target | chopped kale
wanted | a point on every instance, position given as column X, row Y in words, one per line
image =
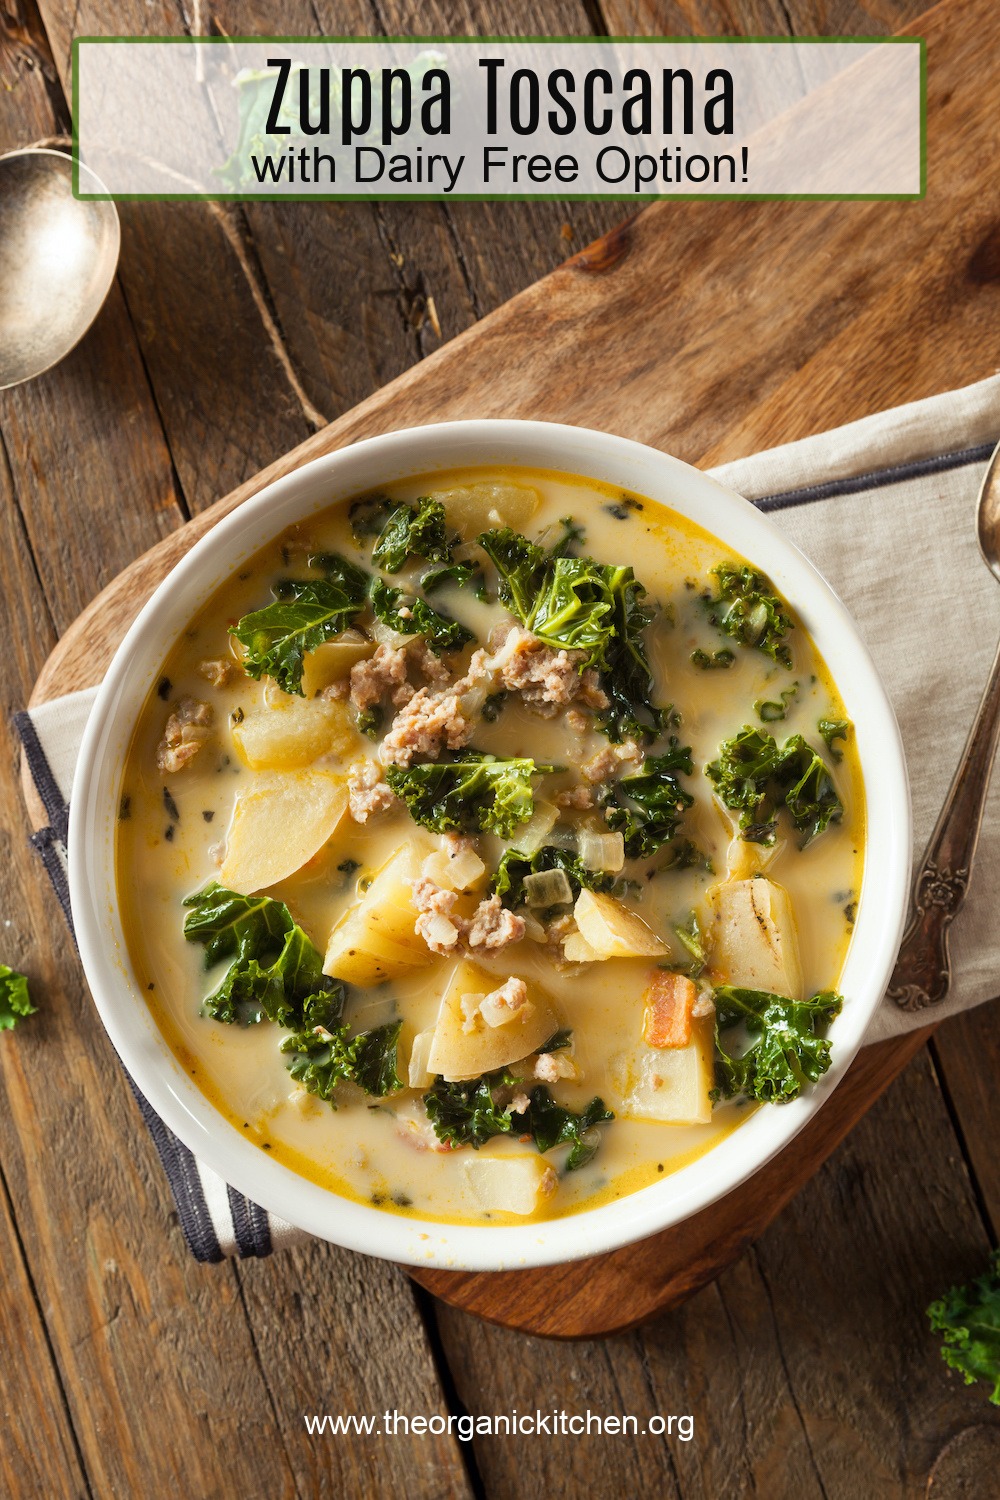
column 558, row 1040
column 508, row 879
column 648, row 806
column 572, row 536
column 577, row 604
column 712, row 662
column 320, row 1058
column 302, row 617
column 417, row 530
column 493, row 707
column 339, row 570
column 471, row 1112
column 275, row 970
column 367, row 517
column 15, row 1001
column 691, row 936
column 474, row 792
column 756, row 777
column 746, row 607
column 786, row 1048
column 832, row 730
column 768, row 710
column 969, row 1318
column 462, row 574
column 440, row 631
column 374, row 1060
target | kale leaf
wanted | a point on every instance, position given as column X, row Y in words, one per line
column 786, row 1046
column 551, row 1124
column 572, row 536
column 834, row 729
column 969, row 1318
column 461, row 574
column 693, row 939
column 465, row 1113
column 440, row 631
column 469, row 1113
column 368, row 516
column 323, row 1056
column 374, row 1060
column 768, row 710
column 15, row 1001
column 474, row 792
column 648, row 806
column 746, row 607
column 276, row 972
column 508, row 878
column 304, row 615
column 320, row 1059
column 337, row 569
column 756, row 777
column 577, row 604
column 418, row 530
column 714, row 661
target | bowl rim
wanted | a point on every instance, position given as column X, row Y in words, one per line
column 216, row 556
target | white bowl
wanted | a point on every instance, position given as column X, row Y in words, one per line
column 365, row 466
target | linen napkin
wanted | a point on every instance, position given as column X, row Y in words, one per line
column 884, row 508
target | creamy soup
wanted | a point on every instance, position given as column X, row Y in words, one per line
column 490, row 848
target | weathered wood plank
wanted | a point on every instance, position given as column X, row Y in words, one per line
column 967, row 1053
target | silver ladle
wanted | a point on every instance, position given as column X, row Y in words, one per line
column 58, row 256
column 922, row 976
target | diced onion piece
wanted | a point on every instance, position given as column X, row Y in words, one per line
column 418, row 1075
column 601, row 851
column 533, row 929
column 547, row 888
column 535, row 832
column 453, row 872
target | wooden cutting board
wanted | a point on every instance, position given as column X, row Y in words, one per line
column 710, row 330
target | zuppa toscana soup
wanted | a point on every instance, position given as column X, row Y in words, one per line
column 490, row 847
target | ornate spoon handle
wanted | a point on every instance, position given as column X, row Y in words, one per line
column 923, row 970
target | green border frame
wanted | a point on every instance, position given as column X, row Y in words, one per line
column 637, row 198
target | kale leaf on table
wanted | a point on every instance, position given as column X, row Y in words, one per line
column 15, row 1001
column 756, row 777
column 746, row 607
column 474, row 792
column 969, row 1318
column 647, row 807
column 306, row 613
column 786, row 1045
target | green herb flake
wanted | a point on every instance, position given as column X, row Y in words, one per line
column 15, row 1000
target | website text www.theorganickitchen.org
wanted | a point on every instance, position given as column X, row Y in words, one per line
column 464, row 1425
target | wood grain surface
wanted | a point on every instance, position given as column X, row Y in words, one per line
column 124, row 1368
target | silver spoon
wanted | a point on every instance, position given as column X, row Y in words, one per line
column 922, row 975
column 58, row 256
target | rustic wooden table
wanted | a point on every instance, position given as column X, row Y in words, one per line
column 125, row 1368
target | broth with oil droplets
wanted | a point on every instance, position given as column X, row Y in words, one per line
column 262, row 798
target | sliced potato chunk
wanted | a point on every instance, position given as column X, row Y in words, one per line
column 476, row 507
column 508, row 1184
column 377, row 939
column 460, row 1053
column 333, row 660
column 672, row 1084
column 576, row 950
column 280, row 822
column 613, row 931
column 293, row 733
column 418, row 1075
column 754, row 941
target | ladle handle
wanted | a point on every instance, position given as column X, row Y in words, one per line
column 922, row 976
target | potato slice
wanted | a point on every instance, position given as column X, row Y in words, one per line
column 377, row 938
column 576, row 950
column 293, row 733
column 476, row 507
column 418, row 1075
column 613, row 931
column 333, row 660
column 672, row 1084
column 508, row 1184
column 457, row 1053
column 280, row 822
column 754, row 941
